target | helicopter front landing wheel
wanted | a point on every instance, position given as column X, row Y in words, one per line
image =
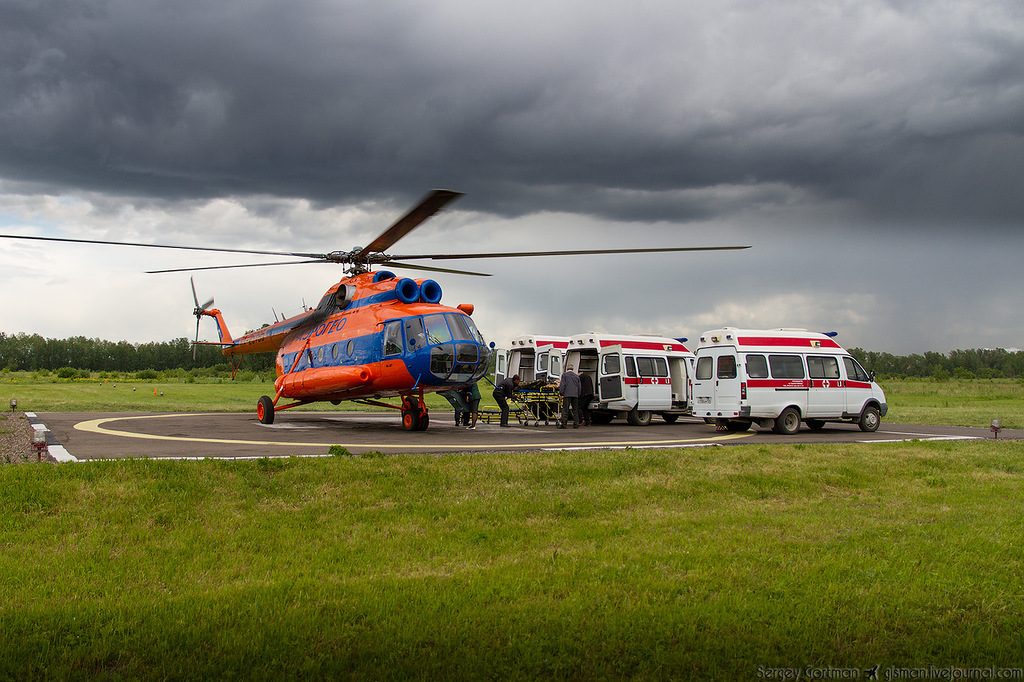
column 265, row 410
column 414, row 414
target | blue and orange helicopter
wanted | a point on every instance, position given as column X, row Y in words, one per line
column 373, row 335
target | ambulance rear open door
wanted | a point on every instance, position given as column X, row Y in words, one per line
column 500, row 366
column 609, row 380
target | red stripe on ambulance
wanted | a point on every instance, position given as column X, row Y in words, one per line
column 782, row 341
column 644, row 345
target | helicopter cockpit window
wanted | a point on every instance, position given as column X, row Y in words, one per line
column 465, row 326
column 461, row 327
column 465, row 361
column 393, row 338
column 414, row 335
column 441, row 361
column 437, row 329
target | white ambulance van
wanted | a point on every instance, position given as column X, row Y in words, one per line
column 637, row 376
column 534, row 357
column 777, row 378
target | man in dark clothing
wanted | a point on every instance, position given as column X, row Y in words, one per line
column 586, row 395
column 569, row 389
column 454, row 397
column 472, row 397
column 502, row 392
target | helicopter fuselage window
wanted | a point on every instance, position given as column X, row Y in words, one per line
column 393, row 338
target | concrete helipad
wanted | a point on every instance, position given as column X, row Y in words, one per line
column 90, row 436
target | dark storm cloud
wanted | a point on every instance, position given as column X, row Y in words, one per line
column 679, row 112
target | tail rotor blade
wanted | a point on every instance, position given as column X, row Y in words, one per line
column 194, row 296
column 206, row 305
column 195, row 344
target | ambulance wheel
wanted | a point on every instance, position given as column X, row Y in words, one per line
column 670, row 418
column 870, row 419
column 637, row 417
column 601, row 418
column 265, row 410
column 788, row 422
column 737, row 426
column 815, row 424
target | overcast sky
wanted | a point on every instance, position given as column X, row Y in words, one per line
column 871, row 153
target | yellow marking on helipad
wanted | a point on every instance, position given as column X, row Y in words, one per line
column 97, row 426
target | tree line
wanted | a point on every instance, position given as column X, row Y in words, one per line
column 977, row 363
column 32, row 352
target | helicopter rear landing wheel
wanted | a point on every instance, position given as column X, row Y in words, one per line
column 265, row 410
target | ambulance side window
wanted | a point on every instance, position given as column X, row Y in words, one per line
column 854, row 371
column 630, row 366
column 704, row 368
column 542, row 362
column 501, row 363
column 726, row 366
column 822, row 367
column 393, row 338
column 757, row 367
column 786, row 366
column 652, row 367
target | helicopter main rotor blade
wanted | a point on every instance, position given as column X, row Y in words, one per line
column 163, row 246
column 413, row 266
column 428, row 206
column 225, row 267
column 581, row 252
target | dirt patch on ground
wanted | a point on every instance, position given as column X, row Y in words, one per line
column 16, row 440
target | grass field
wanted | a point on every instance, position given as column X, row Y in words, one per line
column 955, row 402
column 711, row 563
column 700, row 563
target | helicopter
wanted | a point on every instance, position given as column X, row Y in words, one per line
column 373, row 335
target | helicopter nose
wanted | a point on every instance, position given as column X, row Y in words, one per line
column 456, row 362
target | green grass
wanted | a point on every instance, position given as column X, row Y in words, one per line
column 956, row 402
column 700, row 563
